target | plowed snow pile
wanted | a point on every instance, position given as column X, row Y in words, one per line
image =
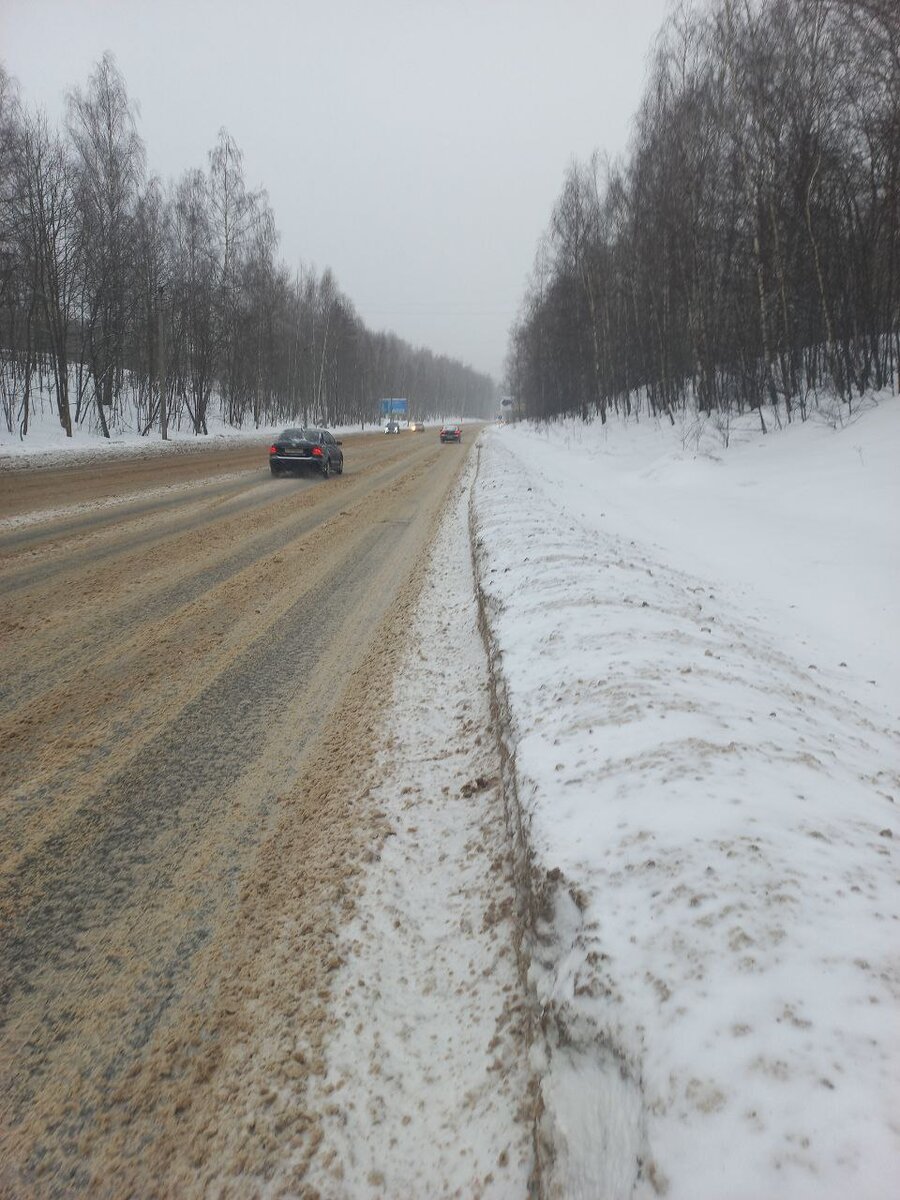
column 699, row 648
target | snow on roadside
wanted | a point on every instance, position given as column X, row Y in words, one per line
column 46, row 444
column 801, row 523
column 710, row 805
column 428, row 1086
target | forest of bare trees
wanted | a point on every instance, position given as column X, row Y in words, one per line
column 116, row 289
column 746, row 254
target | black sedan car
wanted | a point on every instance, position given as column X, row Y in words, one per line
column 451, row 433
column 306, row 450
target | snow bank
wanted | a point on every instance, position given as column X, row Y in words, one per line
column 699, row 654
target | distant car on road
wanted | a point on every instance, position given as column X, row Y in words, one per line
column 392, row 427
column 451, row 433
column 306, row 450
column 417, row 426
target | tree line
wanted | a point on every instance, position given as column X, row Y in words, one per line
column 121, row 294
column 746, row 254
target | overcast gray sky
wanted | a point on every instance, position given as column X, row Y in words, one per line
column 414, row 146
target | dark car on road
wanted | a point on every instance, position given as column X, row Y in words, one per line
column 306, row 450
column 451, row 433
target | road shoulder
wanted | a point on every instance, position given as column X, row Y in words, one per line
column 426, row 1089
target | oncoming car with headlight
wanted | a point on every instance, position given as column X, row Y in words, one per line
column 306, row 450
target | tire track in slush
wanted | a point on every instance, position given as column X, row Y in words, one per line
column 69, row 652
column 51, row 526
column 32, row 576
column 99, row 865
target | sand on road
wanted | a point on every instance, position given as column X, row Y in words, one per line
column 195, row 659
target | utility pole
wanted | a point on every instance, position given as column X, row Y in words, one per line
column 161, row 352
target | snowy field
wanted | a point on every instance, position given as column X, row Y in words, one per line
column 699, row 649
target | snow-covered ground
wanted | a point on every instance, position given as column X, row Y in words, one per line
column 699, row 651
column 46, row 439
